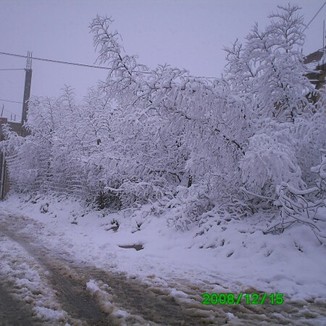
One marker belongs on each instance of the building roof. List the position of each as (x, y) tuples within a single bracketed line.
[(316, 65), (315, 57)]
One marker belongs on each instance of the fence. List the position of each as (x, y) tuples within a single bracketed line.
[(46, 177), (4, 184)]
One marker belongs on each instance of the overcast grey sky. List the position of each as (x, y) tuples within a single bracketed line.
[(188, 34)]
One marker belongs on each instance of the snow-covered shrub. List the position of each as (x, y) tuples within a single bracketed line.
[(320, 170), (188, 206), (26, 160), (267, 163), (108, 199), (310, 135)]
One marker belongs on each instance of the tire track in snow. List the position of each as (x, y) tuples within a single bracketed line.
[(70, 292), (142, 304), (13, 311)]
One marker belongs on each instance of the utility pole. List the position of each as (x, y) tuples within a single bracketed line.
[(2, 175), (323, 33), (4, 185), (323, 42), (27, 90)]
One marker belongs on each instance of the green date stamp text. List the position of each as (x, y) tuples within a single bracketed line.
[(242, 298)]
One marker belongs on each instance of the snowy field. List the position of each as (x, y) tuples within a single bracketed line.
[(232, 256)]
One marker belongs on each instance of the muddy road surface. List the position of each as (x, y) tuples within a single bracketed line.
[(42, 286)]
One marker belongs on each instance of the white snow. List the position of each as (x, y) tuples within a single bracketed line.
[(92, 286), (49, 314), (19, 268), (292, 263)]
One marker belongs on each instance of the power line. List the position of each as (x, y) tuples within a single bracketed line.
[(10, 101), (316, 14), (75, 63), (11, 69), (55, 61)]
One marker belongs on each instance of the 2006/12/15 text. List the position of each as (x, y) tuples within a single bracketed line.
[(242, 298)]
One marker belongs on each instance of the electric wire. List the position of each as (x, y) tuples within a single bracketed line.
[(54, 61), (11, 69), (107, 68), (10, 101), (74, 63), (316, 14)]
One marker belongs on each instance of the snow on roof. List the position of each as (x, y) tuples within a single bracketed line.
[(315, 57)]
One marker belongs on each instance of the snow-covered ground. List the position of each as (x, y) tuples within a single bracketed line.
[(223, 255), (24, 274)]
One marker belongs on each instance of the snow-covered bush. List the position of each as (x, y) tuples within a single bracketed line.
[(320, 169), (310, 135), (267, 163), (188, 206)]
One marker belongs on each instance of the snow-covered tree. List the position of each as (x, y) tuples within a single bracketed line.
[(268, 71), (176, 127)]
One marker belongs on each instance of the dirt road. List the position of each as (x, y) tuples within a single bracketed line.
[(85, 295)]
